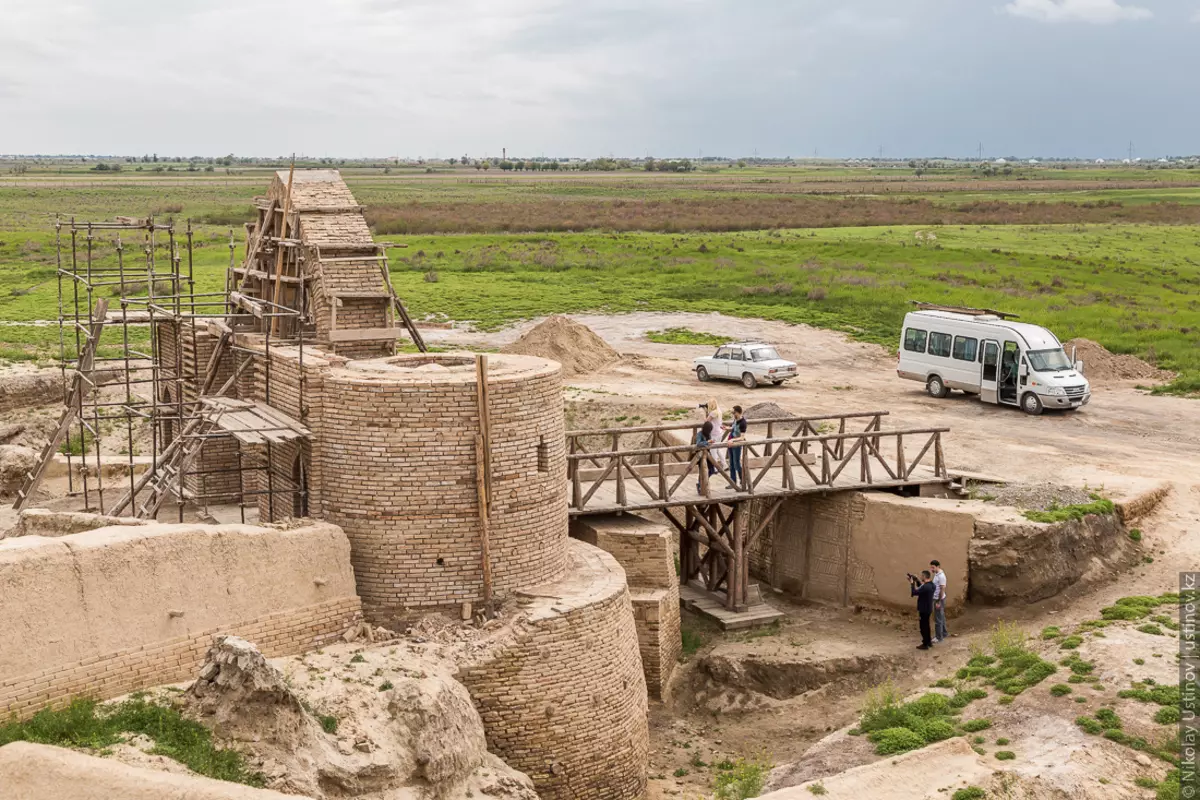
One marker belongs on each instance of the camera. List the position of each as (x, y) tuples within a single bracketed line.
[(912, 578), (703, 405)]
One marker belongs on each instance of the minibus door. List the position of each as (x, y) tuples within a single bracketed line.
[(989, 378)]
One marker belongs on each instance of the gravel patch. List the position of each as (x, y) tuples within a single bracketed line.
[(1031, 496)]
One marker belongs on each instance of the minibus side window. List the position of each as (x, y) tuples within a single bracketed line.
[(965, 348), (914, 340), (939, 344)]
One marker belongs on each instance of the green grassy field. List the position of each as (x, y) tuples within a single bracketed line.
[(1133, 288)]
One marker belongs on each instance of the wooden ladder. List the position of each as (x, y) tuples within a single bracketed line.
[(74, 404), (168, 471)]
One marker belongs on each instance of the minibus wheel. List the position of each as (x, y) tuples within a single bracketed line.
[(1031, 404), (935, 387)]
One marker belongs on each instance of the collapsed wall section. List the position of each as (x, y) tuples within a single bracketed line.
[(854, 548), (396, 445), (566, 701), (109, 611), (644, 550)]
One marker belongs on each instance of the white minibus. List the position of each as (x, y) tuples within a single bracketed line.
[(983, 352)]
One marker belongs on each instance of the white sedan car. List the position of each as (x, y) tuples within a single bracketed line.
[(751, 363)]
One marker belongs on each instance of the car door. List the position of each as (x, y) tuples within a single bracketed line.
[(720, 363), (990, 371), (737, 363)]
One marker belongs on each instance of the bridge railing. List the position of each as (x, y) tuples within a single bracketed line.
[(659, 476), (606, 440)]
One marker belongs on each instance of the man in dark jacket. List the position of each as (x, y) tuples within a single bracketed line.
[(923, 589)]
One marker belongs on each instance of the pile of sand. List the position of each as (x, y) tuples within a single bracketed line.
[(1100, 364), (575, 346), (766, 411)]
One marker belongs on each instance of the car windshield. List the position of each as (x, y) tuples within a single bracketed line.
[(1049, 360), (764, 354)]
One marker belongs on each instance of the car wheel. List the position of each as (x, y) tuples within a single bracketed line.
[(935, 387), (1031, 404), (748, 380), (701, 374)]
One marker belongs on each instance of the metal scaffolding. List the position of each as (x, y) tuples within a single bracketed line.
[(139, 366)]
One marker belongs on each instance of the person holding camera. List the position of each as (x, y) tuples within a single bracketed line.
[(923, 588)]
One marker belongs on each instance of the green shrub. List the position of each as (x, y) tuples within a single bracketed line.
[(1080, 699), (934, 730), (929, 705), (1001, 742), (818, 788), (1120, 612), (1167, 715), (1165, 621), (944, 683), (882, 709), (1144, 782), (981, 660), (1108, 718), (1139, 661), (1060, 689), (1151, 629), (1168, 788), (1135, 535), (1160, 695), (1064, 513), (692, 642), (978, 740), (744, 780), (681, 772), (1006, 700), (1051, 632), (971, 726), (969, 793), (962, 699), (1116, 734), (1005, 755), (1080, 667), (1071, 642), (329, 723), (1089, 724), (896, 740)]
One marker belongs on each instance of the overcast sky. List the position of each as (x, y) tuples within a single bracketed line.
[(597, 77)]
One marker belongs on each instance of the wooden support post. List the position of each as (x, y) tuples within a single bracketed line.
[(283, 223), (481, 481)]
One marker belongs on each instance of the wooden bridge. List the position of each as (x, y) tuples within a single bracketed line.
[(662, 470)]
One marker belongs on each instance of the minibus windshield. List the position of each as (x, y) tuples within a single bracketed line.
[(1049, 360)]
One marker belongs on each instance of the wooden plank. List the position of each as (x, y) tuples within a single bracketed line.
[(283, 223), (365, 334), (481, 483)]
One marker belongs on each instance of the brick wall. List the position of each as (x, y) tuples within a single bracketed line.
[(174, 660), (398, 465), (111, 610), (854, 548), (566, 702), (644, 550)]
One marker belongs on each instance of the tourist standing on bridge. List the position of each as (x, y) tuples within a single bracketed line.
[(939, 601), (737, 432), (923, 589), (704, 437), (718, 429)]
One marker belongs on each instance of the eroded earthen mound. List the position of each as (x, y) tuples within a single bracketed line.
[(575, 346), (1101, 364), (412, 734)]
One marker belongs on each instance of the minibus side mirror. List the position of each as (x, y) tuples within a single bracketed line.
[(1024, 369)]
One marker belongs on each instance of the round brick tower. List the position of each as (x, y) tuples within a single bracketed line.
[(398, 463)]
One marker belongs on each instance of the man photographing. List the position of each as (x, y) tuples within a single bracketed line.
[(923, 588)]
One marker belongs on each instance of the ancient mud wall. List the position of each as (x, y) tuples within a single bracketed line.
[(1017, 561), (40, 772), (395, 444), (108, 611), (30, 389), (644, 550), (566, 702), (853, 548)]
